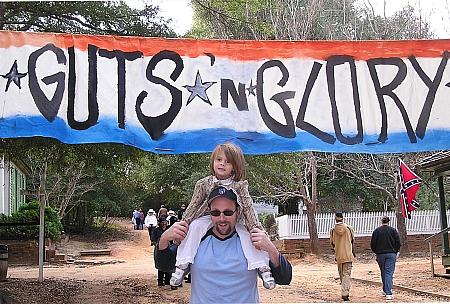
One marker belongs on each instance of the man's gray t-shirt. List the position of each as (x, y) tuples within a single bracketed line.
[(220, 274)]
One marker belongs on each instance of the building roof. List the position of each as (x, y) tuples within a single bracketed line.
[(438, 164), (21, 165)]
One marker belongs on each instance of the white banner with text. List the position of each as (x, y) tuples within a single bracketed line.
[(186, 96)]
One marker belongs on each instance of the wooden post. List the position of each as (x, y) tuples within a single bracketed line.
[(41, 196), (430, 245), (41, 225), (3, 262)]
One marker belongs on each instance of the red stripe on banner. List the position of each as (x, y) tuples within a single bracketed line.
[(234, 49)]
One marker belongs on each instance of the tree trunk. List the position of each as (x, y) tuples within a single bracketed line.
[(311, 209), (312, 226)]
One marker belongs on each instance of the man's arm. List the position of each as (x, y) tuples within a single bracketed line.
[(373, 241), (262, 242), (283, 272), (177, 232), (352, 236), (398, 243), (280, 267), (331, 239)]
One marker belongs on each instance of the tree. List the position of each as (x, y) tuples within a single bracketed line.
[(83, 17), (173, 176), (338, 192), (72, 171), (303, 20), (229, 19), (404, 24), (288, 176)]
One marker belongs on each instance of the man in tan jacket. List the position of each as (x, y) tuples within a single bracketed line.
[(341, 238)]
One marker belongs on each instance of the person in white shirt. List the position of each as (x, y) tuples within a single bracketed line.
[(171, 218), (151, 222)]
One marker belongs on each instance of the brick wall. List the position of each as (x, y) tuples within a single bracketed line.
[(22, 252), (27, 252), (416, 243)]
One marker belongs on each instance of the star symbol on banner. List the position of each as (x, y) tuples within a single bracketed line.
[(199, 89), (13, 76), (251, 88)]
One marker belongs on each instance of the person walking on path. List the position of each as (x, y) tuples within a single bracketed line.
[(142, 218), (171, 218), (136, 219), (151, 222), (163, 276), (181, 211), (385, 243), (341, 239)]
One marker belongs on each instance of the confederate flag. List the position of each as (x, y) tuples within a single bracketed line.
[(409, 185)]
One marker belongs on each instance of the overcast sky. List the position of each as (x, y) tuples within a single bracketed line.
[(179, 11), (435, 12)]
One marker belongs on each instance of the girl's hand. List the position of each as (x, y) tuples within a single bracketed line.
[(261, 241)]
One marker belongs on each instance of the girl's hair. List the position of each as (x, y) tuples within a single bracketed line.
[(234, 156)]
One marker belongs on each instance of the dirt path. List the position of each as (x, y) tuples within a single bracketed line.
[(133, 278), (134, 259)]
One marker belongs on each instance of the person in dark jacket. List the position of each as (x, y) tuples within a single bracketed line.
[(385, 243), (181, 211), (163, 276), (220, 273)]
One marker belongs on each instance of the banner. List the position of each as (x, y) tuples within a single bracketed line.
[(409, 185), (186, 96)]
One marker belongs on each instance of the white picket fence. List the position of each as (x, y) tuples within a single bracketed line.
[(363, 223)]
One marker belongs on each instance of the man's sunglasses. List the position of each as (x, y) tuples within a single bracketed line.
[(216, 213)]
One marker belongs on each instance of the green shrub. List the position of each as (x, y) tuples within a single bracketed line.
[(28, 213), (269, 224)]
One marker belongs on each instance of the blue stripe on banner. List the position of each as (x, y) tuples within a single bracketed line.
[(205, 140)]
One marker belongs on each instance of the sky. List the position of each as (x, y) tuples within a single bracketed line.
[(436, 12), (180, 11)]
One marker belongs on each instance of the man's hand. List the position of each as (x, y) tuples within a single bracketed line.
[(177, 232), (261, 241)]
